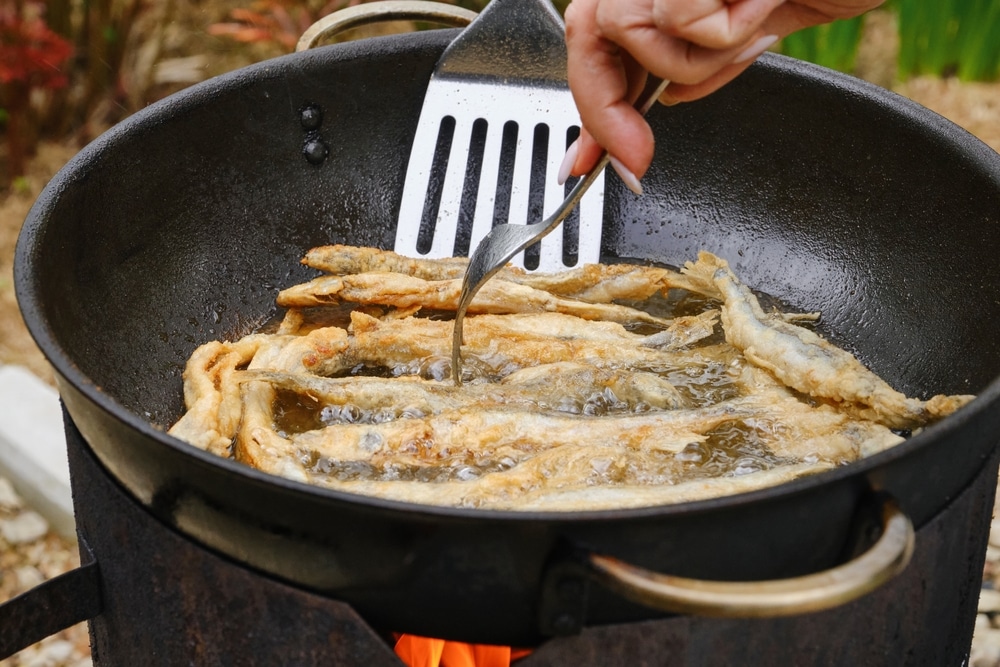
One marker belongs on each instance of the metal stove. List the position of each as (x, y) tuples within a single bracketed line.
[(156, 597)]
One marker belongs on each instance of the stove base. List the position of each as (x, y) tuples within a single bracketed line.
[(169, 601)]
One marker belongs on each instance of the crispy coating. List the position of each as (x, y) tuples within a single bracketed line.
[(594, 283), (805, 361), (542, 387), (212, 398), (573, 402), (496, 296)]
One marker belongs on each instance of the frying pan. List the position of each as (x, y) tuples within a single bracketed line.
[(179, 226)]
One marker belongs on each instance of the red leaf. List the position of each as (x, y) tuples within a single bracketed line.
[(31, 53)]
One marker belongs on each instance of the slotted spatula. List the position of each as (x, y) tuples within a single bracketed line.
[(508, 66)]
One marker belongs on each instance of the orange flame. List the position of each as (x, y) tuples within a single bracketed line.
[(417, 651)]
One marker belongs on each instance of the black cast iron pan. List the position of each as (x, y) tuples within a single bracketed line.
[(180, 225)]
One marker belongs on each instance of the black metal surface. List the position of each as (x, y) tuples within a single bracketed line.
[(922, 618), (171, 602), (51, 606), (180, 225)]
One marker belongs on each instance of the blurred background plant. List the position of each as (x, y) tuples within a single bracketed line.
[(62, 66), (31, 65), (950, 38), (71, 68), (941, 38), (278, 23)]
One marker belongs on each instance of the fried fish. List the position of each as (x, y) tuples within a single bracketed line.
[(575, 399)]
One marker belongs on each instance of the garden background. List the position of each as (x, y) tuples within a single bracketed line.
[(69, 69)]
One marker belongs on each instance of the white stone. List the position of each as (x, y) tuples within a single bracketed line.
[(25, 527), (28, 576), (995, 532), (989, 600), (984, 656), (988, 638), (51, 654), (8, 496), (33, 447), (985, 649)]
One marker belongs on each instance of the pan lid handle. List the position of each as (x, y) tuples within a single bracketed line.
[(382, 12)]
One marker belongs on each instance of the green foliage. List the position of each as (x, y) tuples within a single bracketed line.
[(834, 45), (949, 37), (21, 186), (936, 37)]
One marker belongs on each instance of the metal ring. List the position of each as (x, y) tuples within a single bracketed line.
[(379, 12), (761, 599)]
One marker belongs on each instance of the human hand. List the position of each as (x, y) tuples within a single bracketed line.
[(697, 45)]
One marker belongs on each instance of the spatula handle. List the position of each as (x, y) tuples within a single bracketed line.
[(510, 42)]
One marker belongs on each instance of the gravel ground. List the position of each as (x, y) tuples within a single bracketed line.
[(986, 641), (30, 553)]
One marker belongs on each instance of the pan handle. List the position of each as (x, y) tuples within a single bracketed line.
[(563, 602), (380, 12), (55, 605), (760, 599)]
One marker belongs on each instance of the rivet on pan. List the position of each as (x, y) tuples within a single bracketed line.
[(315, 151), (311, 117)]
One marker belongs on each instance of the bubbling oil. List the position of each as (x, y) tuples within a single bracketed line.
[(732, 449)]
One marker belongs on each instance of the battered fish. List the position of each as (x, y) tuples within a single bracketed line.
[(574, 401), (805, 361)]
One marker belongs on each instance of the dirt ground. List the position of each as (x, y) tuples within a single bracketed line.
[(16, 346)]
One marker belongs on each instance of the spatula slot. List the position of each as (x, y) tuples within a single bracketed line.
[(536, 188), (513, 190), (435, 184), (571, 225), (494, 161), (470, 188), (502, 180)]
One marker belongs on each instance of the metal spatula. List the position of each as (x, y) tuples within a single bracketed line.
[(505, 73), (503, 241)]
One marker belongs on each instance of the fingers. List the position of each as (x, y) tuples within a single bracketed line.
[(713, 24), (695, 44), (682, 40), (679, 92), (605, 80), (784, 20)]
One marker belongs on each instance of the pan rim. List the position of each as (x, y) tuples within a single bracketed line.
[(27, 266)]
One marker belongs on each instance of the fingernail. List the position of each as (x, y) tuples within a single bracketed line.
[(628, 178), (667, 100), (758, 47), (568, 161)]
